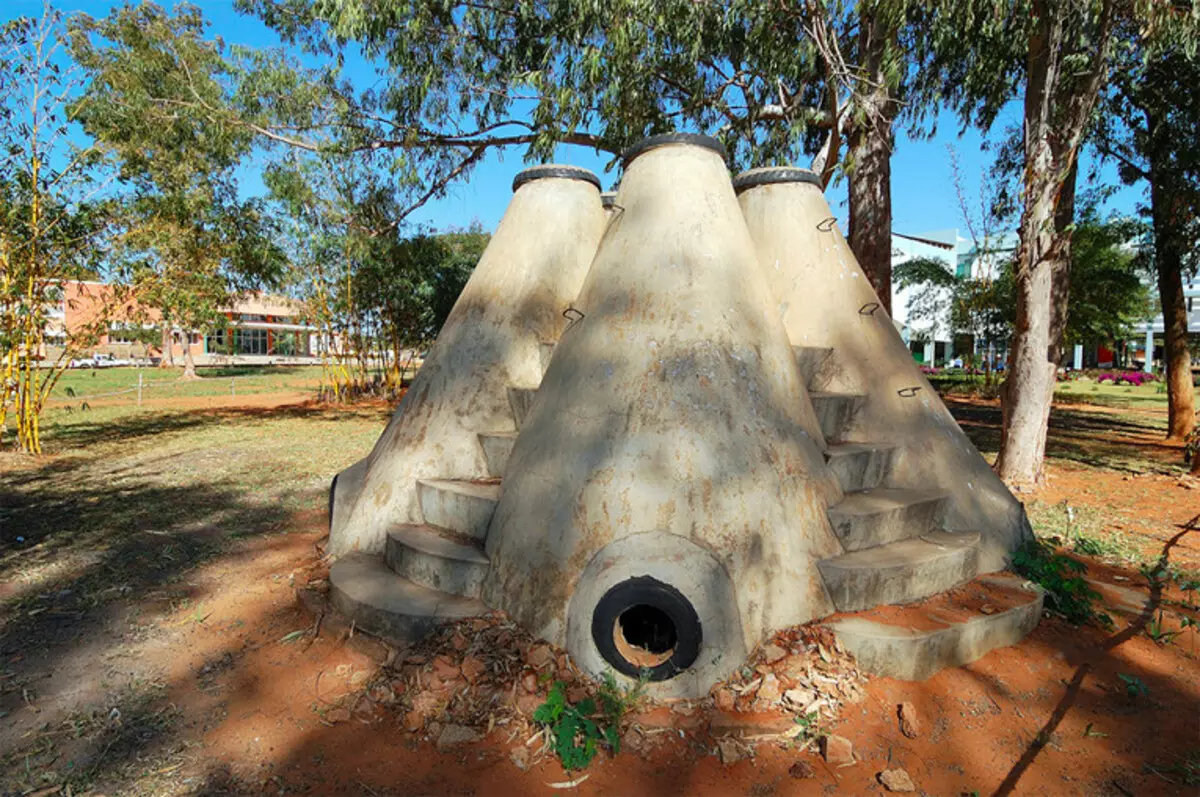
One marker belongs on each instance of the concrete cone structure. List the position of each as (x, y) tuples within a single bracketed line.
[(431, 465), (922, 511), (664, 504)]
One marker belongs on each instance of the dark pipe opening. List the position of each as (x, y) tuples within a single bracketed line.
[(645, 635), (643, 626)]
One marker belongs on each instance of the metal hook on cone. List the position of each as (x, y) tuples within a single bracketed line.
[(869, 308), (828, 224), (908, 392), (573, 316)]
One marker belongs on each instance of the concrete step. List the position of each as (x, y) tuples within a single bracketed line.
[(520, 399), (460, 506), (815, 364), (860, 466), (497, 446), (949, 630), (545, 352), (432, 558), (901, 572), (364, 590), (836, 412), (870, 518)]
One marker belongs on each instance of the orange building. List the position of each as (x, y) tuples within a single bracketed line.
[(259, 327)]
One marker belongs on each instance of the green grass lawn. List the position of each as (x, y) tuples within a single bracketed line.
[(165, 383), (1150, 396)]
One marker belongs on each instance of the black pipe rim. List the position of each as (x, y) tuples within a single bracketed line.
[(647, 591), (554, 170), (775, 175), (666, 139)]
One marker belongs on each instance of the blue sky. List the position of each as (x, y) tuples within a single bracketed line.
[(923, 193)]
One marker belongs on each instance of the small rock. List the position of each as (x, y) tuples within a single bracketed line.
[(529, 682), (837, 750), (756, 724), (527, 704), (801, 770), (773, 653), (770, 690), (454, 735), (520, 757), (539, 656), (910, 726), (631, 741), (445, 669), (730, 751), (724, 699), (896, 780), (424, 706), (799, 698), (473, 668)]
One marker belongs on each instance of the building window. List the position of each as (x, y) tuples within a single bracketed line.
[(215, 342), (251, 317), (249, 341)]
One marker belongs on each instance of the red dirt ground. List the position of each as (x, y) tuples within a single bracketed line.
[(1051, 716)]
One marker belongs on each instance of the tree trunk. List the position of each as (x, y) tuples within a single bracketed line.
[(1028, 391), (870, 154), (189, 364), (1168, 262), (168, 348)]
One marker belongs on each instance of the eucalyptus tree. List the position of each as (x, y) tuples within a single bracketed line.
[(190, 243), (1149, 125), (1056, 57)]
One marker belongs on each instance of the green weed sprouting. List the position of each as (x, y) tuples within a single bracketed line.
[(577, 731), (1068, 593)]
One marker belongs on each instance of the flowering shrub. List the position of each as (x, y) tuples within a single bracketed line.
[(1135, 378), (928, 369)]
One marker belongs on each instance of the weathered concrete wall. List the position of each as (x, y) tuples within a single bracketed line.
[(672, 416), (824, 299), (530, 272)]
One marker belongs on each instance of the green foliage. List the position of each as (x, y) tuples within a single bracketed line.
[(575, 735), (1067, 591), (1134, 686), (577, 731)]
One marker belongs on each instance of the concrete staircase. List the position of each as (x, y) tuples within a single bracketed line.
[(896, 548), (432, 572)]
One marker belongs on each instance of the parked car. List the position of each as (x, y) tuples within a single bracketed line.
[(99, 361)]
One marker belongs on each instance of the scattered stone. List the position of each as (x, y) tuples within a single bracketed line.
[(799, 699), (473, 668), (424, 706), (724, 699), (539, 656), (529, 682), (801, 770), (527, 704), (897, 780), (454, 735), (631, 741), (773, 653), (520, 757), (910, 726), (770, 690), (837, 751), (730, 751), (445, 669), (750, 724)]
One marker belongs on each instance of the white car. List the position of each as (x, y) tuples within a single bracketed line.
[(99, 361)]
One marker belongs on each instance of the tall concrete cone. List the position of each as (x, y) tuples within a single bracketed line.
[(829, 310), (494, 339), (664, 504)]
